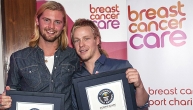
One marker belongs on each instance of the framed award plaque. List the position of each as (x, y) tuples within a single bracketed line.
[(105, 91), (22, 100)]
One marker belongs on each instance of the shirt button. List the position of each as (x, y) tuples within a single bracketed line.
[(56, 56), (54, 67), (29, 71), (52, 81)]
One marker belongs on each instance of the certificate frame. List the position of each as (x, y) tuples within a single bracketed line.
[(33, 100), (82, 83)]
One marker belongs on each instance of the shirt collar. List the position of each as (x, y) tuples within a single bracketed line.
[(101, 60), (59, 48)]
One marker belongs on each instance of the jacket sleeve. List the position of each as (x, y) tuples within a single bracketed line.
[(13, 74), (74, 101)]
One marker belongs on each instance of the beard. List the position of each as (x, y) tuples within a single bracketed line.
[(86, 57), (52, 38)]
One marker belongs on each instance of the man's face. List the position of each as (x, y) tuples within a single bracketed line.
[(50, 24), (86, 44)]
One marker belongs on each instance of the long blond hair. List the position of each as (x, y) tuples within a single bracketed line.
[(86, 22), (51, 5)]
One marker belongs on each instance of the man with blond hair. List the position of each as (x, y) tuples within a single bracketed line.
[(48, 64), (86, 40)]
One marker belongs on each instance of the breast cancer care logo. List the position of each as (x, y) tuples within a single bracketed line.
[(105, 96), (168, 21)]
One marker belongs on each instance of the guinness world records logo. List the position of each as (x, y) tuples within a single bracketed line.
[(34, 109), (105, 96)]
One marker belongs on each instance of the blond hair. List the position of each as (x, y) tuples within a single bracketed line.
[(51, 5), (86, 22)]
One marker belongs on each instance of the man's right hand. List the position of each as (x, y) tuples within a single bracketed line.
[(5, 101)]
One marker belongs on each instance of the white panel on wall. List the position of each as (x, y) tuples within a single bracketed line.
[(1, 57)]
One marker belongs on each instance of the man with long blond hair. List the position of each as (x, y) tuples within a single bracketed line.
[(86, 40), (48, 64)]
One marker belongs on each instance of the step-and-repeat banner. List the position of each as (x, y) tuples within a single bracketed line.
[(160, 46), (155, 36)]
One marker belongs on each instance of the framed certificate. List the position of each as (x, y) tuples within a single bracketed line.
[(22, 100), (105, 91)]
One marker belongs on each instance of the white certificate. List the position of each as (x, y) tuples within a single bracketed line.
[(34, 106), (106, 96)]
